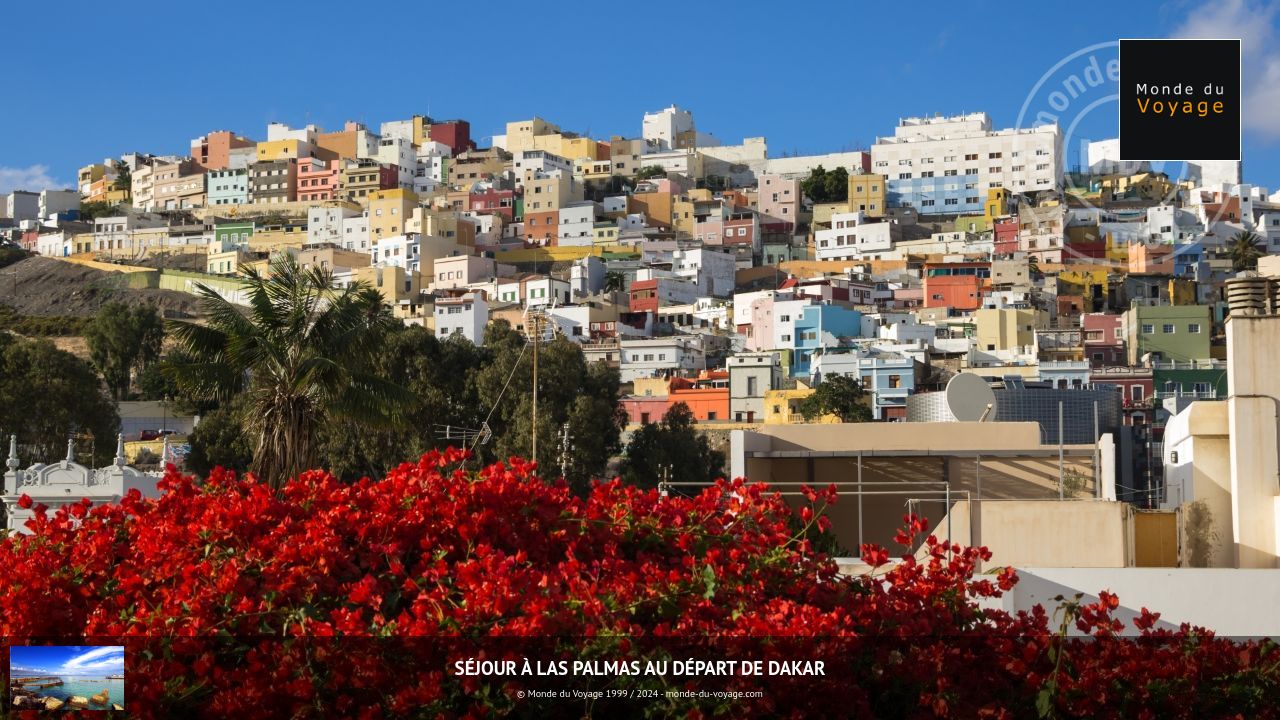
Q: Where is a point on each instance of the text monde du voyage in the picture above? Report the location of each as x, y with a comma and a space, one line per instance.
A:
1180, 99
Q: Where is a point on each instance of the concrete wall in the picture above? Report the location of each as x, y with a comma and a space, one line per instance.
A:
1253, 374
1180, 595
1200, 482
933, 455
1045, 533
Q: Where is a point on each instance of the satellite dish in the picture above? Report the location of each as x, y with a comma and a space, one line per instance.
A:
970, 398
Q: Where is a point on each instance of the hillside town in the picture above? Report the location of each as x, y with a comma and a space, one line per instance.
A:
1090, 297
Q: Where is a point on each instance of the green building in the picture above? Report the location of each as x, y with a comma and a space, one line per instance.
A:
232, 234
1168, 332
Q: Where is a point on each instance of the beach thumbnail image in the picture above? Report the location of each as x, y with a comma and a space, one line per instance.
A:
56, 677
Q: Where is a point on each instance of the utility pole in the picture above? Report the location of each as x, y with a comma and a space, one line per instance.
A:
534, 317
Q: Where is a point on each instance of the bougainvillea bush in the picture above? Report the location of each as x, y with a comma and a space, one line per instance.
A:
333, 600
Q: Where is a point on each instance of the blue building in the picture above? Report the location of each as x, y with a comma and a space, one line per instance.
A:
888, 378
822, 326
946, 195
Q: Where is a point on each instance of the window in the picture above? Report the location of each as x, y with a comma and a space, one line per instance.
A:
1167, 328
711, 415
971, 171
949, 173
993, 156
904, 176
952, 201
1148, 328
973, 156
926, 203
1193, 328
927, 174
1202, 389
1136, 392
995, 169
1119, 332
895, 381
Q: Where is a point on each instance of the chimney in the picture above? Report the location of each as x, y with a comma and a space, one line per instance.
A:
1251, 294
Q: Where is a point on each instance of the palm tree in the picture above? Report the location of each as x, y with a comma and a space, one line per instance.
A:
1244, 249
302, 352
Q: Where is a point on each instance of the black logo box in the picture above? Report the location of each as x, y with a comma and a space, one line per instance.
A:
1186, 68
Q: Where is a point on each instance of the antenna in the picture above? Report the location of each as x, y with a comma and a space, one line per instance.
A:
970, 398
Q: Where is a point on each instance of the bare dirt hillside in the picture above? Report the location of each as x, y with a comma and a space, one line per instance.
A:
44, 286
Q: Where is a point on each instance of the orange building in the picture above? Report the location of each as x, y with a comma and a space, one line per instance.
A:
542, 228
213, 151
706, 395
1152, 259
956, 285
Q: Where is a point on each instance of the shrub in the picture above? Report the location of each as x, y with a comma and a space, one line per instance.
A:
332, 600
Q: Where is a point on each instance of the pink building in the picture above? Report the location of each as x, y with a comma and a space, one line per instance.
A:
779, 201
760, 332
317, 180
1104, 339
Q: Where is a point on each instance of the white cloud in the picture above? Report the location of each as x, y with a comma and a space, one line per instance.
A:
1254, 24
105, 659
34, 178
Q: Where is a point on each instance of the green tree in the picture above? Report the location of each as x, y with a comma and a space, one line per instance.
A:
1244, 249
220, 441
124, 177
46, 394
651, 171
304, 354
671, 449
614, 281
823, 187
124, 340
838, 395
585, 397
437, 374
90, 211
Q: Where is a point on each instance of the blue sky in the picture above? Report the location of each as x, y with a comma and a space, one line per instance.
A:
89, 80
85, 660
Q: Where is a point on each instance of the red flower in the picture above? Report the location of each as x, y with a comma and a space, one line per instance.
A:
25, 502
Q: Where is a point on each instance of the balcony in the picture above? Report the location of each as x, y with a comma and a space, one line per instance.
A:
1210, 394
1189, 365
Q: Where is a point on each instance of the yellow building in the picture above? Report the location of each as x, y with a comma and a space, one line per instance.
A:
88, 175
283, 149
390, 212
605, 234
1148, 186
274, 238
521, 134
395, 284
997, 204
1006, 328
867, 194
782, 407
1078, 280
472, 166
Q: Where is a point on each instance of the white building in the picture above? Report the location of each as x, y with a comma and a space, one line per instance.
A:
403, 251
1104, 159
53, 202
465, 315
714, 272
460, 271
23, 205
66, 482
654, 357
665, 127
355, 232
577, 224
751, 375
324, 223
851, 237
946, 165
